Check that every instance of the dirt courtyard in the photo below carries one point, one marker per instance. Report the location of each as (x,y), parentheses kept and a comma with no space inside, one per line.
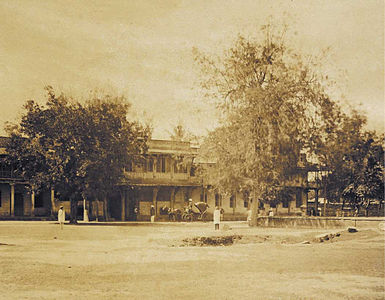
(40,261)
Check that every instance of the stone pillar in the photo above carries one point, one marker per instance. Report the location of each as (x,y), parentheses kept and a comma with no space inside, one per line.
(123,204)
(32,202)
(12,199)
(154,196)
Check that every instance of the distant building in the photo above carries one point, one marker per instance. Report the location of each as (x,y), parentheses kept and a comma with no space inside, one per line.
(166,178)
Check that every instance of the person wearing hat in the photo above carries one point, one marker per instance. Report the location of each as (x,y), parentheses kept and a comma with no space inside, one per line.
(61,217)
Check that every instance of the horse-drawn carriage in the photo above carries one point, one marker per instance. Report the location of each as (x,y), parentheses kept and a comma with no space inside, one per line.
(195,212)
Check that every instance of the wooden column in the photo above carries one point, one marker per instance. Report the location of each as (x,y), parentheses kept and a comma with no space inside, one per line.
(32,202)
(12,199)
(154,196)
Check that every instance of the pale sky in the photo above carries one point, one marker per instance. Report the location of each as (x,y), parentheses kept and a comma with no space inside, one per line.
(143,49)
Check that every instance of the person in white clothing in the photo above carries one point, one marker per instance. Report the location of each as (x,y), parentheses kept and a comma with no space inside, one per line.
(152,213)
(217,217)
(61,216)
(249,217)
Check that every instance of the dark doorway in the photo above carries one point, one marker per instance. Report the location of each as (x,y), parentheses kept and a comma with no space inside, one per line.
(115,205)
(19,204)
(132,208)
(80,212)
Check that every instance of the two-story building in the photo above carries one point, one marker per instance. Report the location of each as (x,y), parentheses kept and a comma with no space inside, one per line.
(16,198)
(165,178)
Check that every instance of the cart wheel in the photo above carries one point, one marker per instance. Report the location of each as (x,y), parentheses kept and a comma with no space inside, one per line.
(204,216)
(188,218)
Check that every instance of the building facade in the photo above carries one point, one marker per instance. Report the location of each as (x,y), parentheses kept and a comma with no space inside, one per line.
(165,178)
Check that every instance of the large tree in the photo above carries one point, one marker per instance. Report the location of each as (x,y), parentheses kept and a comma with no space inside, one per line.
(364,166)
(274,107)
(78,149)
(353,158)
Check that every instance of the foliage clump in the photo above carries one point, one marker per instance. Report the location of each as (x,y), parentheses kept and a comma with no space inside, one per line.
(78,149)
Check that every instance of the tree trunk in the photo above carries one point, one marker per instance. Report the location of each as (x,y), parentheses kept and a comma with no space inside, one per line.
(73,210)
(105,209)
(254,209)
(367,206)
(52,200)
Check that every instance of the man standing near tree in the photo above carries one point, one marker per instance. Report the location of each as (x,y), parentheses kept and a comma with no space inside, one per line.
(61,216)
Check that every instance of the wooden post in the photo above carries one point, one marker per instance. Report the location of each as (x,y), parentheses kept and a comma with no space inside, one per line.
(12,199)
(316,202)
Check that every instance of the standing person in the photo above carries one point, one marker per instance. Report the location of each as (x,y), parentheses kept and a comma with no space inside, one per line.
(152,213)
(190,205)
(61,216)
(217,217)
(249,217)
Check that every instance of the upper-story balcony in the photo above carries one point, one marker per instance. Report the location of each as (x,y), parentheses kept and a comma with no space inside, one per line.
(166,163)
(166,178)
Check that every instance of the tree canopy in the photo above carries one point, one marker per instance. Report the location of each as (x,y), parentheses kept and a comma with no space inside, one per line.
(275,111)
(273,104)
(78,149)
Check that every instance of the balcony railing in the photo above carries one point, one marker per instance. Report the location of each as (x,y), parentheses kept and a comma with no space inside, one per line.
(168,177)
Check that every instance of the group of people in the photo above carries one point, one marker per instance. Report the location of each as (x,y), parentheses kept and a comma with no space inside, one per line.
(216,214)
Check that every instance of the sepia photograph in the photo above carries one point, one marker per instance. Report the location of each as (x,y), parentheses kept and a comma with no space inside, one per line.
(192,149)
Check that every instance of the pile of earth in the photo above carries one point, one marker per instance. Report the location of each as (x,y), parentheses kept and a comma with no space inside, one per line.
(211,240)
(309,238)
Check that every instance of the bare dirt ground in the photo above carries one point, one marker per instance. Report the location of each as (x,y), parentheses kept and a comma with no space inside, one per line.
(40,261)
